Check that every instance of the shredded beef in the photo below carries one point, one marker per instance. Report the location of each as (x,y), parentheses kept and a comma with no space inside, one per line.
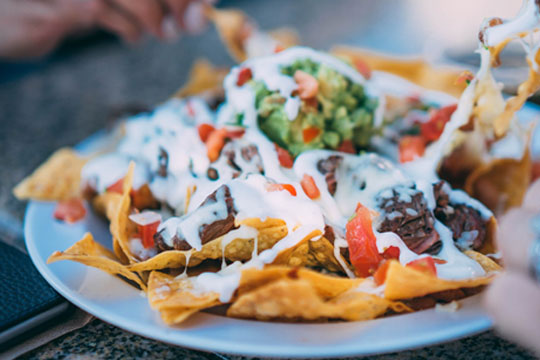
(207,232)
(467,226)
(249,153)
(409,217)
(328,168)
(331,236)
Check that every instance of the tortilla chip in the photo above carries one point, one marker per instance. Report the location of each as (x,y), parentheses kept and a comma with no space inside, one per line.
(487,264)
(326,286)
(237,250)
(500,184)
(234,27)
(120,226)
(203,78)
(59,178)
(415,70)
(404,282)
(300,294)
(88,252)
(173,298)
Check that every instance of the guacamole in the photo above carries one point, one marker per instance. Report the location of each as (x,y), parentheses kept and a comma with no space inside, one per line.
(339,112)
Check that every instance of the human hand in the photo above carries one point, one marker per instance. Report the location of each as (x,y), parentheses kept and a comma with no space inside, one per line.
(30,28)
(514,298)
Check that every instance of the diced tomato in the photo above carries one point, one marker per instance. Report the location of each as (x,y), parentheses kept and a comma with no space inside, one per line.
(281,187)
(244,75)
(70,211)
(215,142)
(411,147)
(310,133)
(347,147)
(535,170)
(147,224)
(363,252)
(279,48)
(362,67)
(285,159)
(117,187)
(425,265)
(465,76)
(205,130)
(308,87)
(309,187)
(235,132)
(380,275)
(432,129)
(392,252)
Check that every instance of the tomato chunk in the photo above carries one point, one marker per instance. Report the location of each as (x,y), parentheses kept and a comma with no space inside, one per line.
(392,252)
(465,76)
(411,147)
(244,75)
(309,187)
(281,187)
(215,142)
(380,274)
(117,187)
(235,132)
(70,211)
(147,225)
(432,129)
(425,265)
(363,252)
(308,86)
(310,133)
(347,147)
(204,131)
(362,67)
(285,159)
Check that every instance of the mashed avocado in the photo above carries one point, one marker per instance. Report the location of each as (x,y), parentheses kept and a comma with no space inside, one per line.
(340,111)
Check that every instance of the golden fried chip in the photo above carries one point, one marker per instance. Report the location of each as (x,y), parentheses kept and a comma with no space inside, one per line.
(88,252)
(326,286)
(487,264)
(501,183)
(59,178)
(203,78)
(173,298)
(234,27)
(403,282)
(236,250)
(298,299)
(120,226)
(415,70)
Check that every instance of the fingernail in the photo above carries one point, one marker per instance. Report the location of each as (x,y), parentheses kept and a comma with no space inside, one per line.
(169,28)
(194,18)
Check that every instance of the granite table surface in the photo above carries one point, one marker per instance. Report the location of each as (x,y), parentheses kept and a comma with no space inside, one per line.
(61,100)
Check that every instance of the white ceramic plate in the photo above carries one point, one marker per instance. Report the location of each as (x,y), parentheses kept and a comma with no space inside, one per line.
(115,302)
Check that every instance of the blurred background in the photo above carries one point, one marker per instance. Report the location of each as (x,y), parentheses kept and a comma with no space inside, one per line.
(63,97)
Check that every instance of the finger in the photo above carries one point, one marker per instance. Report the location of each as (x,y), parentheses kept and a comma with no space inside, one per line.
(514,238)
(78,14)
(148,13)
(513,301)
(178,8)
(113,20)
(532,198)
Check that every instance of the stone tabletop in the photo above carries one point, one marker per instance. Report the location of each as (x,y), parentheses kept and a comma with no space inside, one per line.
(62,100)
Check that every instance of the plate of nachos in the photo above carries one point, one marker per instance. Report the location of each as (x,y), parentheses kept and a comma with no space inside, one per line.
(300,204)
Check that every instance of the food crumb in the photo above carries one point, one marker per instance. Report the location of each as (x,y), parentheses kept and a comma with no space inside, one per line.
(449,308)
